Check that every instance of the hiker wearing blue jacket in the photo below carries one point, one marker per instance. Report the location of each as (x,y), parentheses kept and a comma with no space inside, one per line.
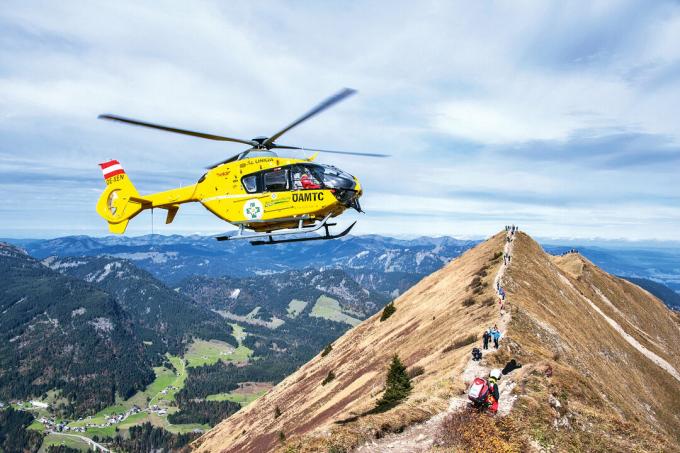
(496,335)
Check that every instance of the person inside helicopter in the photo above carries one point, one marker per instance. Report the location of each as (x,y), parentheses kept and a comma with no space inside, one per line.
(304,179)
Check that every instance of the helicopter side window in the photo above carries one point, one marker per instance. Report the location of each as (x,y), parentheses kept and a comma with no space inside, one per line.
(250,183)
(276,181)
(304,178)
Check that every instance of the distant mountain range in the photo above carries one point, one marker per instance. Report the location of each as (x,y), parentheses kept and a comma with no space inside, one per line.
(378,263)
(172,258)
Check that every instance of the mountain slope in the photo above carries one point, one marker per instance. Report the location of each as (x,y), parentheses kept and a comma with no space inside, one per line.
(273,293)
(599,353)
(663,292)
(60,333)
(163,317)
(429,317)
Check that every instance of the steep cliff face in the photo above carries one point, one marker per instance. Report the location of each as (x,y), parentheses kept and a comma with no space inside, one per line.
(600,362)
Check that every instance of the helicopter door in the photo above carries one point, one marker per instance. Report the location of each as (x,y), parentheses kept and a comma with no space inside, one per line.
(276,180)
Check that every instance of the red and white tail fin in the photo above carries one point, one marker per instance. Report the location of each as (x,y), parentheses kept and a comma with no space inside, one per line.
(111,168)
(120,201)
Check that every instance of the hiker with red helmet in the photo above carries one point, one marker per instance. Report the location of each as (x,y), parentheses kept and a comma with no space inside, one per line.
(494,394)
(484,393)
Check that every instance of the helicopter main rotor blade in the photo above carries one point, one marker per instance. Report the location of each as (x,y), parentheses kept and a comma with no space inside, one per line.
(229,159)
(175,130)
(339,96)
(351,153)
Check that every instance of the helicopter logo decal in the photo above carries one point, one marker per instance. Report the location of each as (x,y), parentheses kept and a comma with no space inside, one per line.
(252,209)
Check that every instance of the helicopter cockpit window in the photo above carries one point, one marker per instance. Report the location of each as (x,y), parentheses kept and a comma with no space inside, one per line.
(305,178)
(276,180)
(250,183)
(333,177)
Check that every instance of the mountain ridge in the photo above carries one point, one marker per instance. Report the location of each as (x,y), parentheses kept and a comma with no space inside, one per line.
(560,307)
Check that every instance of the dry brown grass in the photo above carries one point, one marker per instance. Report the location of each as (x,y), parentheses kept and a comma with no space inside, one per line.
(475,432)
(468,302)
(489,301)
(460,342)
(415,371)
(612,398)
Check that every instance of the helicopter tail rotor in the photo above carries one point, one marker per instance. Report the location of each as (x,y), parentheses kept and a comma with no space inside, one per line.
(120,201)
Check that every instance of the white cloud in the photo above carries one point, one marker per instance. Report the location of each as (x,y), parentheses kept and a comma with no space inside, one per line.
(459,93)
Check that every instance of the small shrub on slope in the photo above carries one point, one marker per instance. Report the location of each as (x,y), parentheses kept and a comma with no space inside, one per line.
(398,385)
(328,378)
(469,302)
(327,350)
(388,311)
(415,371)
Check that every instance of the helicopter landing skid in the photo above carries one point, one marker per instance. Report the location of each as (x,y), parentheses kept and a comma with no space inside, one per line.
(270,240)
(268,237)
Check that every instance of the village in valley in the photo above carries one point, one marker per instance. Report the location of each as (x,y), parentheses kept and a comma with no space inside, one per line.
(154,404)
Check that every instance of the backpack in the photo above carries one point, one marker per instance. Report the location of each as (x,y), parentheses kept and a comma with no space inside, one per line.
(479,390)
(476,354)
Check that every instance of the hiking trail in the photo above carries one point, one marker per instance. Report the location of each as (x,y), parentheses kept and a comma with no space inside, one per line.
(420,437)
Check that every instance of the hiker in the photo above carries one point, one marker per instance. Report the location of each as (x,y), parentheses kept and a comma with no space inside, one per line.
(496,335)
(511,366)
(476,354)
(494,394)
(486,337)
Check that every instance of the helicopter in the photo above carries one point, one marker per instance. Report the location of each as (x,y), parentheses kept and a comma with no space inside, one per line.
(270,199)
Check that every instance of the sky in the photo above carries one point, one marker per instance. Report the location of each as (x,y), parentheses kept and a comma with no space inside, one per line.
(561,117)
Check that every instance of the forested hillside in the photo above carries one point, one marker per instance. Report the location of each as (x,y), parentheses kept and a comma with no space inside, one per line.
(60,333)
(164,318)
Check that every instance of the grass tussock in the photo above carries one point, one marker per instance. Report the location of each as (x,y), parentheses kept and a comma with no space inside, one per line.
(477,285)
(329,377)
(482,272)
(388,311)
(469,302)
(461,342)
(489,302)
(327,350)
(472,431)
(415,371)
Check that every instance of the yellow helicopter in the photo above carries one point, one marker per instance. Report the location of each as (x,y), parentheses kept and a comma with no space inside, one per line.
(265,195)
